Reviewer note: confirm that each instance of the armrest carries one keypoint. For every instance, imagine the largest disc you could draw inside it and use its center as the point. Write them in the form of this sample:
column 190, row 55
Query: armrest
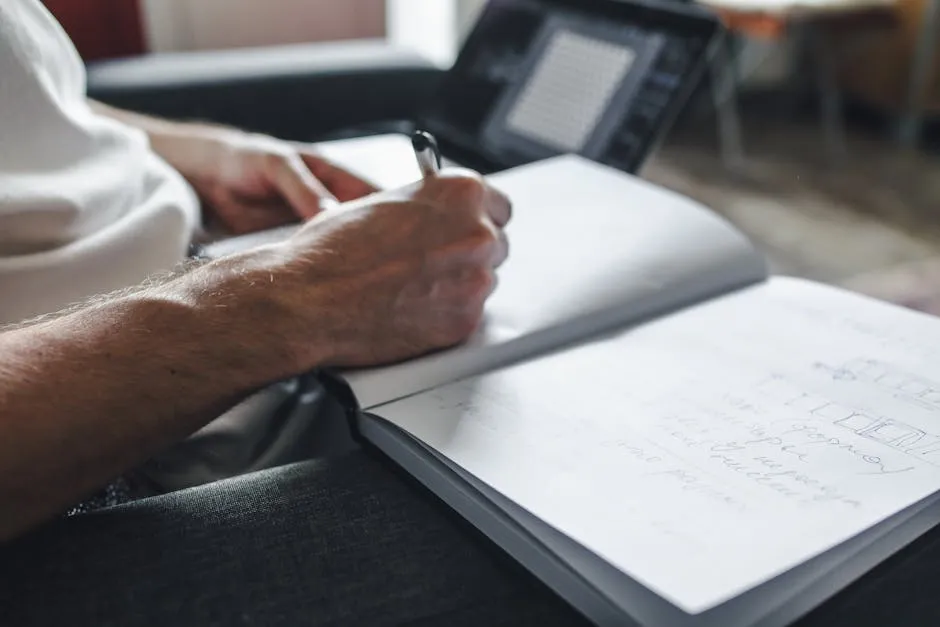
column 299, row 91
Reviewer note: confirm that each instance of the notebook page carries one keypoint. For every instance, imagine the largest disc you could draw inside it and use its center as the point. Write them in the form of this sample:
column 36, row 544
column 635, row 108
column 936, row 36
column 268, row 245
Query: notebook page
column 591, row 249
column 387, row 161
column 706, row 452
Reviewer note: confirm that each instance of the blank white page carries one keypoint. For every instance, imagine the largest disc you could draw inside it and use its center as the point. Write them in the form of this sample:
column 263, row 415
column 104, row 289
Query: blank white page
column 591, row 248
column 706, row 452
column 388, row 161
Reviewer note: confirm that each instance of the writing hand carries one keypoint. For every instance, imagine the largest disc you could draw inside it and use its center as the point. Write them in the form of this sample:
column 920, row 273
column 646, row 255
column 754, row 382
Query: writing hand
column 388, row 277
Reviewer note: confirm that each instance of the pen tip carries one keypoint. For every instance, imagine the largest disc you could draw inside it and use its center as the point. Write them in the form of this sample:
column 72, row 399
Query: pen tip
column 422, row 140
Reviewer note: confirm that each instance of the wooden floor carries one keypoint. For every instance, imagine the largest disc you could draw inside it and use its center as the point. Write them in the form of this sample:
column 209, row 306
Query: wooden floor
column 870, row 220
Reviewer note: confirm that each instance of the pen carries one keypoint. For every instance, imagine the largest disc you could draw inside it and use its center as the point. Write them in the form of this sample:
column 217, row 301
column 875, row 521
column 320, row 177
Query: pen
column 427, row 153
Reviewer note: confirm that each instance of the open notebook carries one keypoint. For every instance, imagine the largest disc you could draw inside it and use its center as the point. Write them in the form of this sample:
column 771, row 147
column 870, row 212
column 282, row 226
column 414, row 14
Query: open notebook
column 656, row 428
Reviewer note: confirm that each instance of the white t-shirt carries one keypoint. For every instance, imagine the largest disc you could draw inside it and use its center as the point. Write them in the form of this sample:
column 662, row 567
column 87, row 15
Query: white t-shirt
column 85, row 206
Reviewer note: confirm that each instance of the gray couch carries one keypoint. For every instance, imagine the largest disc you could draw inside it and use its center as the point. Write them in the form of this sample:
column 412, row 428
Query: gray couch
column 301, row 92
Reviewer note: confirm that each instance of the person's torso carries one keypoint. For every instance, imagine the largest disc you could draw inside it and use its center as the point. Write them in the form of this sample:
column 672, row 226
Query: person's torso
column 85, row 205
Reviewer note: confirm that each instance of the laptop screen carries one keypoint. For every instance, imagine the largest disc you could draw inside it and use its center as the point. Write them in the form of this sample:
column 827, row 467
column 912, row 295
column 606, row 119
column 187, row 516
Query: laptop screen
column 601, row 78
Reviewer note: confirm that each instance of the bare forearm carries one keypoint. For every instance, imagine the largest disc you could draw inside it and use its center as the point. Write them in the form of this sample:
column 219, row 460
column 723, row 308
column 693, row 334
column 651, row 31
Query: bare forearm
column 391, row 276
column 86, row 396
column 170, row 139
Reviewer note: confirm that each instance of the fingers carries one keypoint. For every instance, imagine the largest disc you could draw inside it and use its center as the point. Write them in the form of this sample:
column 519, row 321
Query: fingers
column 498, row 207
column 471, row 279
column 494, row 210
column 304, row 192
column 484, row 212
column 345, row 185
column 468, row 188
column 461, row 295
column 501, row 250
column 241, row 217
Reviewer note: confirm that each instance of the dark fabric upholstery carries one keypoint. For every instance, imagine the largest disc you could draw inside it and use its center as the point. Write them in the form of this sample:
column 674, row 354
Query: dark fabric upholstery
column 304, row 92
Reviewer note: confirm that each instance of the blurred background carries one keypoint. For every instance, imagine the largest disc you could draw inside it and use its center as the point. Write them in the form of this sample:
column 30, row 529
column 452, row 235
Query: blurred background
column 819, row 135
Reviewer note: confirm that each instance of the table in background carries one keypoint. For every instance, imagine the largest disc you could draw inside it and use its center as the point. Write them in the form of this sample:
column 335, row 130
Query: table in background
column 805, row 20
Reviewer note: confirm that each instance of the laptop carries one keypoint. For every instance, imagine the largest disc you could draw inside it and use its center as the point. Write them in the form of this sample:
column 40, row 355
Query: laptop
column 604, row 79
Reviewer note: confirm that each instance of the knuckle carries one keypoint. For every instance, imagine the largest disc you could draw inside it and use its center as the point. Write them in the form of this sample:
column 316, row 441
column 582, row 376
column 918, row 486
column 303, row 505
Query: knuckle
column 294, row 164
column 494, row 283
column 481, row 235
column 505, row 200
column 504, row 205
column 465, row 324
column 503, row 247
column 475, row 240
column 479, row 281
column 469, row 186
column 274, row 161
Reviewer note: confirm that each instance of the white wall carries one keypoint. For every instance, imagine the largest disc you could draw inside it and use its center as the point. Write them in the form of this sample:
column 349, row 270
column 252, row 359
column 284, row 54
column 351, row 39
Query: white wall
column 426, row 26
column 435, row 28
column 467, row 13
column 165, row 25
column 208, row 24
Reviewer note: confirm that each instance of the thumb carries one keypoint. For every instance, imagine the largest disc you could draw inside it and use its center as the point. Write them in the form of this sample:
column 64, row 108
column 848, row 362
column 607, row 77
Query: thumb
column 306, row 195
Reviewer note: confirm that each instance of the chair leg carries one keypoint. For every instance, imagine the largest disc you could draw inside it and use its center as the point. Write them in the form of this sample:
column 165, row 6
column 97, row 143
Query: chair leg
column 800, row 43
column 911, row 120
column 724, row 91
column 831, row 110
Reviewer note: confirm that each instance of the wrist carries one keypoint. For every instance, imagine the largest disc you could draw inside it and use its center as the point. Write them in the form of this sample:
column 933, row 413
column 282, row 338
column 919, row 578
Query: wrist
column 193, row 150
column 243, row 302
column 172, row 140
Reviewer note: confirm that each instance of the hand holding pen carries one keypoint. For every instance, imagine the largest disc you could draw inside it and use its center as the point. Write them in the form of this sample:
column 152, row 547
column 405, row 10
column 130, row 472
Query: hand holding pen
column 399, row 273
column 427, row 153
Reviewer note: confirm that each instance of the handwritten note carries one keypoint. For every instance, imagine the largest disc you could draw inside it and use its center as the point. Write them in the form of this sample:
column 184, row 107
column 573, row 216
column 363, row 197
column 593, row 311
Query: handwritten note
column 709, row 451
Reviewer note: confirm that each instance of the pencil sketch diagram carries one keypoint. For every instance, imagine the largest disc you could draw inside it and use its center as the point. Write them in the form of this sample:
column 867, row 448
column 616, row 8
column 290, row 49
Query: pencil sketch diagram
column 889, row 432
column 902, row 385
